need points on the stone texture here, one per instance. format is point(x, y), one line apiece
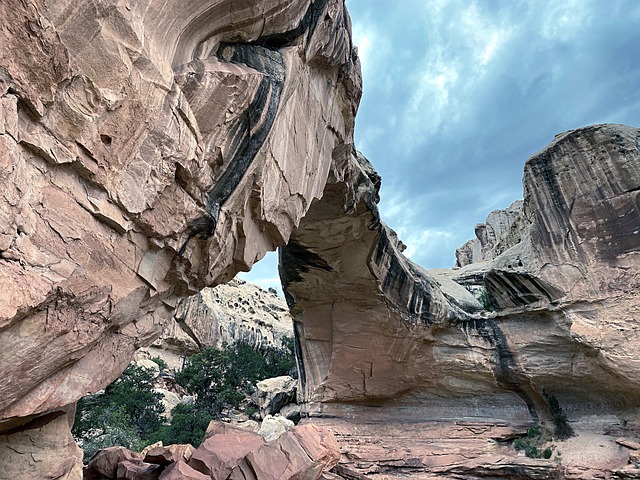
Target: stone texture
point(138, 470)
point(105, 462)
point(43, 448)
point(275, 393)
point(170, 454)
point(221, 452)
point(305, 451)
point(181, 471)
point(147, 152)
point(561, 279)
point(235, 311)
point(272, 427)
point(501, 231)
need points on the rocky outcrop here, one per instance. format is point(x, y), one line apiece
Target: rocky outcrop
point(147, 150)
point(501, 231)
point(275, 393)
point(304, 452)
point(151, 149)
point(232, 312)
point(553, 313)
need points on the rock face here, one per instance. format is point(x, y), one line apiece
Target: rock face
point(275, 393)
point(151, 149)
point(304, 452)
point(501, 231)
point(235, 311)
point(147, 150)
point(559, 273)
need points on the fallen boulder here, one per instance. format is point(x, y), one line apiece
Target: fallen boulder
point(275, 393)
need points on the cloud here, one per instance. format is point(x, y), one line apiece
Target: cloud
point(459, 93)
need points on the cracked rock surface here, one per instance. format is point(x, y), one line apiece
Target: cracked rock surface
point(148, 150)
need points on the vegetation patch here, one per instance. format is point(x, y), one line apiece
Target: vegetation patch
point(129, 411)
point(562, 428)
point(537, 442)
point(534, 444)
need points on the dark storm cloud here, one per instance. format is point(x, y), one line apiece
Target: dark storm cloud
point(457, 95)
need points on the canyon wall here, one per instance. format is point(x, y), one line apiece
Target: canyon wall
point(232, 312)
point(147, 150)
point(150, 149)
point(556, 302)
point(433, 372)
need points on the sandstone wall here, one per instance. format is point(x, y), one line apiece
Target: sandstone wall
point(147, 150)
point(560, 271)
point(232, 312)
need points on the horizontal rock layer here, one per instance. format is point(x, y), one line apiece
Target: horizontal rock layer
point(556, 296)
point(546, 305)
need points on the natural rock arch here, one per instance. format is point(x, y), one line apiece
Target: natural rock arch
point(148, 150)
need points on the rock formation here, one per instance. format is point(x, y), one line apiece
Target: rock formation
point(235, 311)
point(304, 452)
point(150, 149)
point(382, 340)
point(147, 150)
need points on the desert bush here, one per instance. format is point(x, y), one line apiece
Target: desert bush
point(562, 428)
point(128, 413)
point(532, 444)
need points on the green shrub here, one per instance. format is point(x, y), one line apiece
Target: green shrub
point(160, 362)
point(128, 413)
point(533, 442)
point(562, 430)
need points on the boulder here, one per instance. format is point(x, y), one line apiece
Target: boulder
point(291, 412)
point(150, 365)
point(221, 452)
point(181, 471)
point(272, 427)
point(275, 393)
point(166, 455)
point(104, 464)
point(138, 470)
point(169, 400)
point(305, 451)
point(43, 448)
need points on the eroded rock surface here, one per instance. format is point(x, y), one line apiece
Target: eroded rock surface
point(147, 150)
point(548, 306)
point(232, 312)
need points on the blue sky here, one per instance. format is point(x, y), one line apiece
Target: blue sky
point(457, 94)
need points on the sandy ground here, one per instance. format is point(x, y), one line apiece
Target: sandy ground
point(592, 450)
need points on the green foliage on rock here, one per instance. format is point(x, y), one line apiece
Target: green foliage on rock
point(129, 412)
point(563, 430)
point(533, 444)
point(160, 362)
point(485, 299)
point(223, 377)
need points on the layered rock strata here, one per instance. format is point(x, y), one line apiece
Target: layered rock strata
point(150, 149)
point(554, 313)
point(147, 150)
